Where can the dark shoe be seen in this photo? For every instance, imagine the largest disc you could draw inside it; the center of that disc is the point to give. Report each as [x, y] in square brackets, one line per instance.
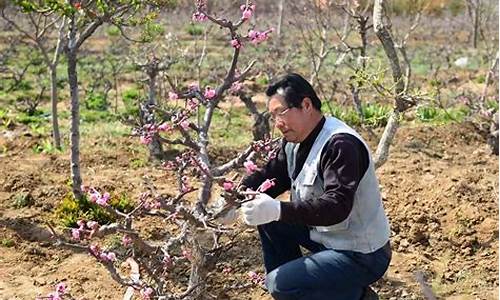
[369, 294]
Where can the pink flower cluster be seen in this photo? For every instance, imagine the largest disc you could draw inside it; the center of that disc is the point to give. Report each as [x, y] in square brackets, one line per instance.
[199, 17]
[126, 240]
[236, 87]
[267, 184]
[149, 130]
[257, 37]
[250, 167]
[247, 11]
[102, 255]
[209, 93]
[256, 278]
[146, 293]
[84, 227]
[236, 43]
[228, 185]
[266, 147]
[98, 198]
[173, 95]
[60, 291]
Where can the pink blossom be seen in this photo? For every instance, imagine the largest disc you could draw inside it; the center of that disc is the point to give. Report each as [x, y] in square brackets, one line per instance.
[250, 167]
[106, 196]
[94, 197]
[257, 37]
[156, 205]
[102, 201]
[75, 233]
[61, 288]
[209, 93]
[94, 249]
[200, 17]
[256, 278]
[193, 103]
[169, 165]
[81, 224]
[146, 139]
[54, 296]
[236, 43]
[173, 96]
[252, 34]
[111, 256]
[228, 186]
[92, 225]
[103, 256]
[126, 241]
[247, 14]
[184, 124]
[235, 87]
[227, 270]
[146, 293]
[247, 11]
[185, 188]
[267, 184]
[84, 188]
[164, 127]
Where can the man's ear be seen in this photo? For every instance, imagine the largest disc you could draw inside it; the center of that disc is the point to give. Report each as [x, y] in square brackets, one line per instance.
[307, 104]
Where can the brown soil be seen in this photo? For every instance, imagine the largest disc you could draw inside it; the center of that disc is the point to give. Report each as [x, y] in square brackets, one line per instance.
[440, 189]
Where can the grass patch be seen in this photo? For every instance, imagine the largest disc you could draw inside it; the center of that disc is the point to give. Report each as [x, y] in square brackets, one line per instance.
[71, 210]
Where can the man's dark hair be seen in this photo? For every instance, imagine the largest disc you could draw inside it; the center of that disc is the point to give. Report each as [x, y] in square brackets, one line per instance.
[294, 88]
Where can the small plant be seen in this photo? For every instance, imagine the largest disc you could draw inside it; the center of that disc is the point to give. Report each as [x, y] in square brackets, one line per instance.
[96, 101]
[427, 113]
[131, 99]
[6, 242]
[194, 29]
[23, 200]
[70, 210]
[38, 117]
[46, 146]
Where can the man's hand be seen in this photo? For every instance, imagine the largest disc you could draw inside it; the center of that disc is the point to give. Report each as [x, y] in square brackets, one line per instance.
[263, 209]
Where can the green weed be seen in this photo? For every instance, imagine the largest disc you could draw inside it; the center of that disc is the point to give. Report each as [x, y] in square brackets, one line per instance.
[194, 29]
[23, 200]
[6, 242]
[46, 146]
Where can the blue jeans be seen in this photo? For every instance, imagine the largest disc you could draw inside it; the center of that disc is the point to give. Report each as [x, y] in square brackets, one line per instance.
[325, 274]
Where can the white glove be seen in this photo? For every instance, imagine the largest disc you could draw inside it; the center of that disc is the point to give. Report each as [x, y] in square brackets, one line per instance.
[263, 209]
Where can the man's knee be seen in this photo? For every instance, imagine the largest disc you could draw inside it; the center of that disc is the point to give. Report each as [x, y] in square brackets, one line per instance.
[278, 285]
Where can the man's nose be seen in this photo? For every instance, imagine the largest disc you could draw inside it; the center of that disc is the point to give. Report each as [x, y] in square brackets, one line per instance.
[279, 124]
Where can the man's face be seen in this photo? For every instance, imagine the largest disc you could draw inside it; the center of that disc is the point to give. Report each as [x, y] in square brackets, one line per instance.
[290, 121]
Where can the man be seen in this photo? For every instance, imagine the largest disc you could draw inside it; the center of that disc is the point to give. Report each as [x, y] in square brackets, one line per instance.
[335, 211]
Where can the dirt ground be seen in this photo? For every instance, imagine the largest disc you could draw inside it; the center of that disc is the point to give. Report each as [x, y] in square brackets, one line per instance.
[440, 190]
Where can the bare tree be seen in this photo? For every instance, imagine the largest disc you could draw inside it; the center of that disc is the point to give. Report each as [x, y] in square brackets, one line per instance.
[401, 97]
[39, 28]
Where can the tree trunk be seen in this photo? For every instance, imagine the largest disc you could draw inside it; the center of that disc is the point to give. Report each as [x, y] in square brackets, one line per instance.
[261, 128]
[199, 268]
[155, 147]
[53, 101]
[477, 12]
[75, 123]
[280, 21]
[392, 126]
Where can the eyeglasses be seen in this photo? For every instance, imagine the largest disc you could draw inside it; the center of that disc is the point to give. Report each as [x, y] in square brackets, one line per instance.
[280, 115]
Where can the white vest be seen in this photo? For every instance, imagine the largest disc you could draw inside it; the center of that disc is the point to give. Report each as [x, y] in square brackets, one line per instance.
[366, 229]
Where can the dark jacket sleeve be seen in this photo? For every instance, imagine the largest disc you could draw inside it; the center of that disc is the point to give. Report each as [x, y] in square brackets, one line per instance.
[344, 161]
[276, 168]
